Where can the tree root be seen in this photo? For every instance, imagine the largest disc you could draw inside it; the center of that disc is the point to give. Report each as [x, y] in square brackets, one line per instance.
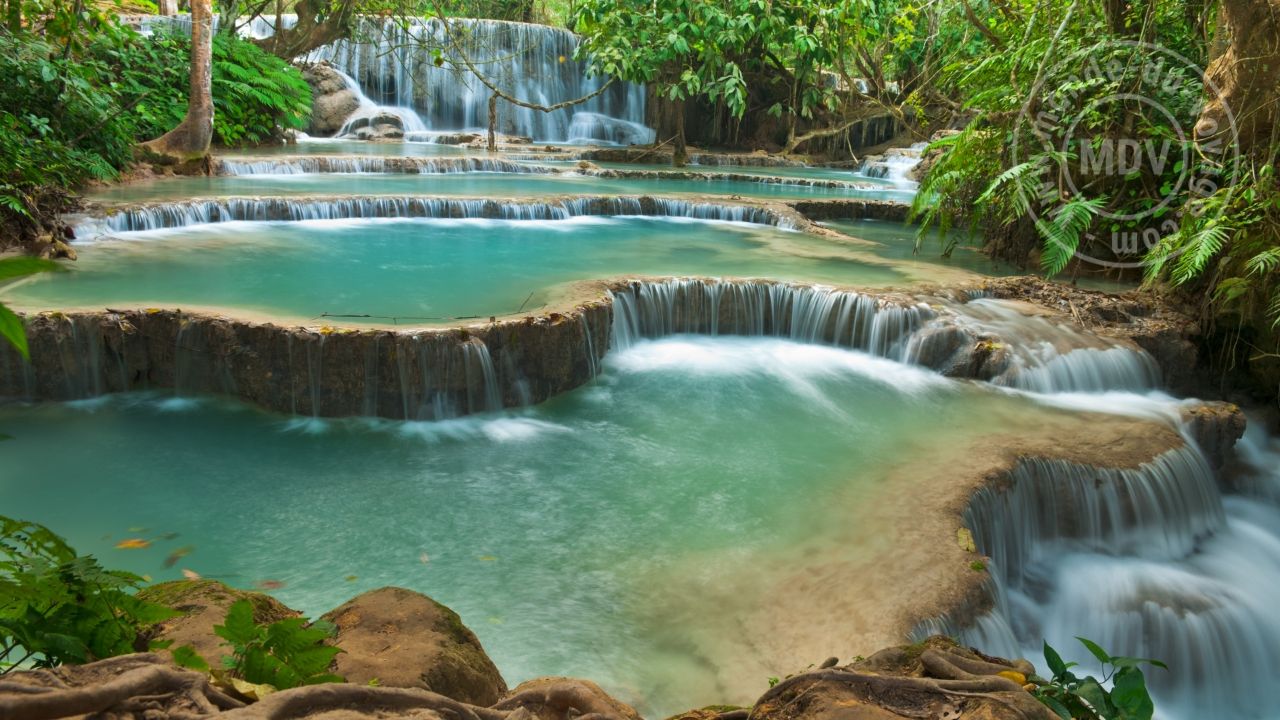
[129, 680]
[314, 699]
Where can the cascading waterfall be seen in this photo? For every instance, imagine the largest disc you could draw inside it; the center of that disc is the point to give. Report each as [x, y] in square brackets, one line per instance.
[396, 64]
[157, 216]
[893, 166]
[1150, 562]
[1046, 356]
[804, 313]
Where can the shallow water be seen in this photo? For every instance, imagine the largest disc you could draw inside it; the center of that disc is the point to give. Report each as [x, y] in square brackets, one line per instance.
[556, 532]
[480, 184]
[424, 269]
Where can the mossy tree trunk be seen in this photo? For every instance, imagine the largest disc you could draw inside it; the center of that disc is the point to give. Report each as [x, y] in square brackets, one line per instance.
[1246, 75]
[190, 140]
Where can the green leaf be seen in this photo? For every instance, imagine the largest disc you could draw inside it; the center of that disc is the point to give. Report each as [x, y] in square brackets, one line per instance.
[12, 329]
[1054, 660]
[1097, 650]
[1130, 696]
[1057, 707]
[239, 628]
[187, 657]
[21, 266]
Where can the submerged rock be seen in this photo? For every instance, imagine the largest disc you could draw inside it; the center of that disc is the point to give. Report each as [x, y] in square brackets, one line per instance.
[405, 639]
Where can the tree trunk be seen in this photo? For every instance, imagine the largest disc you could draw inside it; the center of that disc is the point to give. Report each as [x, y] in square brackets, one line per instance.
[1246, 75]
[190, 140]
[318, 24]
[680, 155]
[168, 7]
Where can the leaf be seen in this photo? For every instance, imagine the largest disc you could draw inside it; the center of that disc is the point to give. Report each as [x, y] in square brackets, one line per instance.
[1054, 660]
[12, 329]
[238, 628]
[1130, 696]
[22, 266]
[1058, 708]
[1097, 651]
[187, 657]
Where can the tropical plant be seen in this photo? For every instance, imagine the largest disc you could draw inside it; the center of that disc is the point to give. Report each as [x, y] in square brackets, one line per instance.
[60, 607]
[284, 654]
[1087, 698]
[11, 327]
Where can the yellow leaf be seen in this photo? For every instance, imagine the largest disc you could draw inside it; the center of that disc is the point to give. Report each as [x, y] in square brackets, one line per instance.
[253, 691]
[1013, 675]
[964, 539]
[133, 544]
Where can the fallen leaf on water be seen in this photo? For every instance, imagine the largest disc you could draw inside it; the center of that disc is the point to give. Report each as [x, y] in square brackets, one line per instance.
[495, 620]
[488, 558]
[169, 536]
[352, 578]
[146, 578]
[424, 558]
[177, 555]
[137, 529]
[190, 574]
[270, 584]
[133, 544]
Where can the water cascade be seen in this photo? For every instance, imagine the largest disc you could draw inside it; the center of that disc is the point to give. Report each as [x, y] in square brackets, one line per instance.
[804, 313]
[396, 65]
[155, 216]
[893, 166]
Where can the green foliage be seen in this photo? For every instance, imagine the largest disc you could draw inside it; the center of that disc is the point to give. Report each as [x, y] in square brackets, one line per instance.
[59, 607]
[803, 57]
[255, 94]
[1231, 239]
[287, 653]
[1085, 698]
[75, 98]
[11, 327]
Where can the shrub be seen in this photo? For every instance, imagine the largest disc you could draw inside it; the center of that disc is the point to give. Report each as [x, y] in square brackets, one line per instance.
[59, 607]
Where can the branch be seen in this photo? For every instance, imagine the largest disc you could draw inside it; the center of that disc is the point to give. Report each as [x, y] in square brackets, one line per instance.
[466, 60]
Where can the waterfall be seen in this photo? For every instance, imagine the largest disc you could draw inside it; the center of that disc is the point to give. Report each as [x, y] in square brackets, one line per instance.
[396, 64]
[155, 216]
[893, 166]
[803, 313]
[1047, 356]
[373, 164]
[369, 112]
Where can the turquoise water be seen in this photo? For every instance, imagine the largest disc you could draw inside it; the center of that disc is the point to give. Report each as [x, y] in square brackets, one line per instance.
[561, 533]
[426, 269]
[499, 185]
[895, 241]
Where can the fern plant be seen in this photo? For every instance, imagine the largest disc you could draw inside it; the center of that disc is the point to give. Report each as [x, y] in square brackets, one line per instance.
[60, 607]
[287, 653]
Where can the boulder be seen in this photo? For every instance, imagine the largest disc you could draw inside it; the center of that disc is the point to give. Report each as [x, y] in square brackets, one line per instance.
[1215, 426]
[405, 639]
[203, 604]
[933, 679]
[558, 698]
[332, 100]
[379, 126]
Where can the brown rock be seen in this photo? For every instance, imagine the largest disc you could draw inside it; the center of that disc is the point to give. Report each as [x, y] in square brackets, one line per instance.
[933, 679]
[558, 698]
[1215, 426]
[332, 101]
[203, 604]
[405, 639]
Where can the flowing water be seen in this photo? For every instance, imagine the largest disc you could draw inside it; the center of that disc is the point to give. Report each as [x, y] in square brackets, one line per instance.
[549, 530]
